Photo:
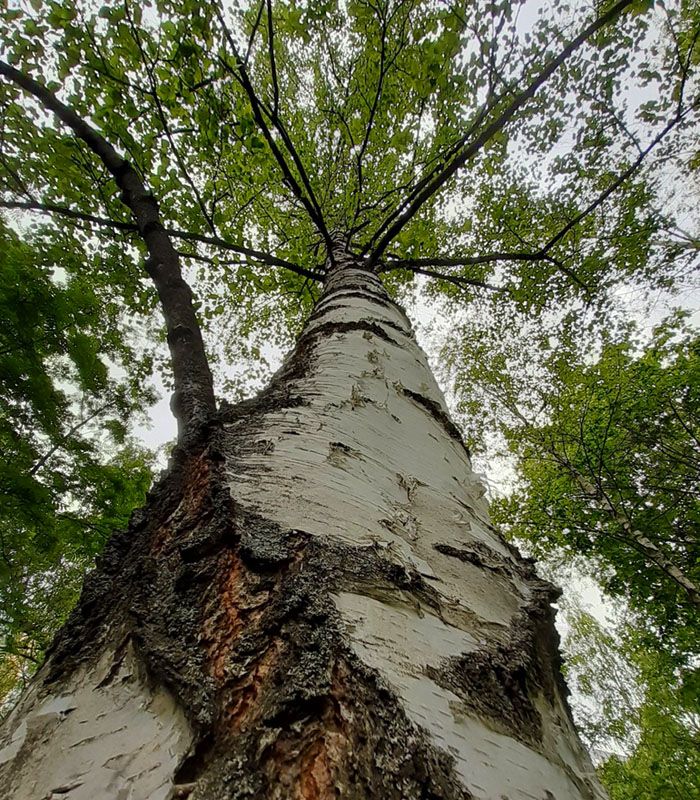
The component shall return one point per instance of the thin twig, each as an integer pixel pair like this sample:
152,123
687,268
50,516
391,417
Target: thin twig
129,227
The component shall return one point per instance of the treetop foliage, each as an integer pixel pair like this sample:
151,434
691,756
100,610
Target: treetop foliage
496,147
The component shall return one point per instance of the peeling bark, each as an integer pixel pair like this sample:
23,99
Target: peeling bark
313,604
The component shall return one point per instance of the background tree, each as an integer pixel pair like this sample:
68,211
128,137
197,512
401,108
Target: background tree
606,485
645,734
69,473
610,472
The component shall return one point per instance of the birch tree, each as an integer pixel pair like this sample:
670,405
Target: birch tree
313,602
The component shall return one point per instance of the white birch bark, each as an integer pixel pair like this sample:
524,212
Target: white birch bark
366,460
106,734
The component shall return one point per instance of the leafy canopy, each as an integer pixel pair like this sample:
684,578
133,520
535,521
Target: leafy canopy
68,473
610,470
268,127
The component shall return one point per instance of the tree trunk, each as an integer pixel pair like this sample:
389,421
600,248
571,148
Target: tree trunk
313,604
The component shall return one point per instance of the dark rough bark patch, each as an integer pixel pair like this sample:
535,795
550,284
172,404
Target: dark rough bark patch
265,547
339,453
367,571
350,741
478,554
437,413
398,328
299,716
369,326
102,602
500,683
376,320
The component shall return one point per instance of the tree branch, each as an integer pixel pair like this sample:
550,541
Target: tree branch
273,64
542,254
253,31
308,199
621,178
489,258
129,227
256,255
468,149
637,538
71,432
148,65
372,114
50,208
194,389
596,493
457,280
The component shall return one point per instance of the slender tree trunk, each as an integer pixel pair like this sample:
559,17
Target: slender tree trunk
313,604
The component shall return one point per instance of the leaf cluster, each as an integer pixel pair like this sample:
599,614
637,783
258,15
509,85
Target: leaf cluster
610,470
68,472
640,718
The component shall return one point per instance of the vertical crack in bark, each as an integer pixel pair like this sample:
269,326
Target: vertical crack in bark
437,413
